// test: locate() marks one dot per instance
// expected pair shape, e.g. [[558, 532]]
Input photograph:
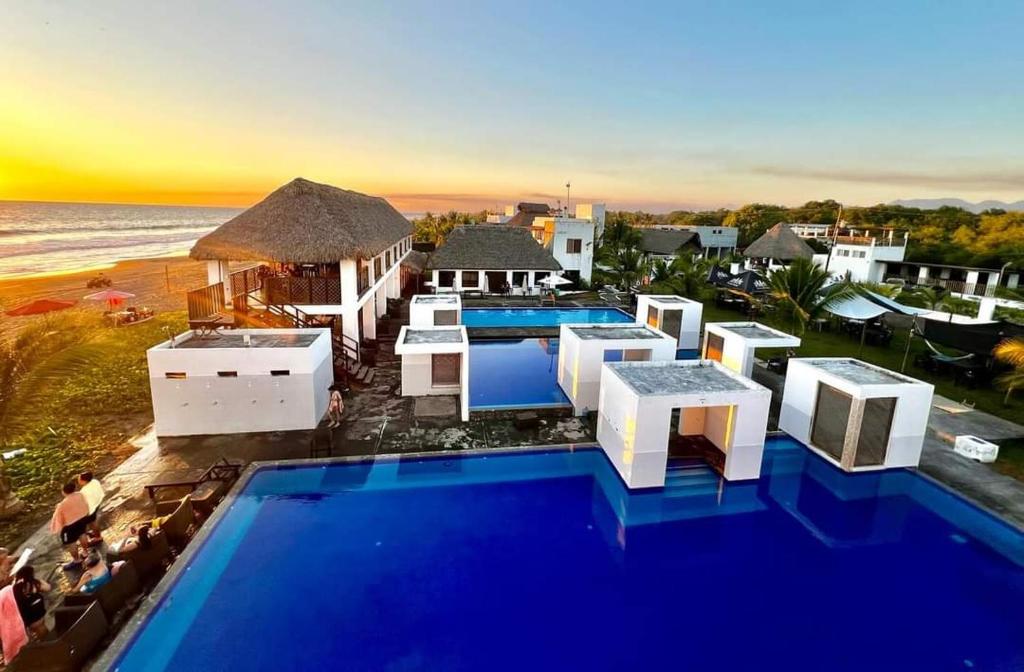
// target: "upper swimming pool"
[[543, 561], [540, 317]]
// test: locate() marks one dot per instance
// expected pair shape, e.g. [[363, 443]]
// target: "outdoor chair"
[[179, 526], [221, 470], [112, 595], [149, 562], [76, 634]]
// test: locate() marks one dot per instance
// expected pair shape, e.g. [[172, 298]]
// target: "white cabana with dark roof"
[[734, 343], [677, 316], [490, 258], [856, 415], [720, 411], [429, 310], [435, 361], [584, 348]]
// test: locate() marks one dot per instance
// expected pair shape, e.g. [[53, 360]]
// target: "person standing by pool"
[[70, 519], [92, 490], [335, 408]]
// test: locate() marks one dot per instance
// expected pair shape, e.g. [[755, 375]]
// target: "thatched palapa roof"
[[667, 241], [307, 222], [492, 247], [779, 242]]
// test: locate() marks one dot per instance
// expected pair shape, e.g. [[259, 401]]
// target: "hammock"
[[942, 357]]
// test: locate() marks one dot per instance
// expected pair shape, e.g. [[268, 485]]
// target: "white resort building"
[[243, 380], [571, 239], [490, 258], [733, 343], [856, 415], [584, 348], [316, 255], [719, 415], [435, 361]]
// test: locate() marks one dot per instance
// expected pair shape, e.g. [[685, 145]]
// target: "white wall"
[[689, 331], [253, 401], [421, 313]]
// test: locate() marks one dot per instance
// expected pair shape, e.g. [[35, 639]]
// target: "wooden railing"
[[280, 290], [206, 302], [961, 287]]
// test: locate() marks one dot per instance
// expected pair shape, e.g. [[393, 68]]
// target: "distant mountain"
[[933, 203]]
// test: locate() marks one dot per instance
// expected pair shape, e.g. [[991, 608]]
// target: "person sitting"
[[6, 564], [95, 575], [13, 635], [28, 593], [70, 519], [139, 538], [92, 490]]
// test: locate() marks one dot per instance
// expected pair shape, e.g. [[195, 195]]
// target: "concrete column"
[[922, 275], [987, 309], [1012, 280], [217, 271], [382, 300], [531, 280], [945, 273], [349, 282], [350, 322], [370, 318]]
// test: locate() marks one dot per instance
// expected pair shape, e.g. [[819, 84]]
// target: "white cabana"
[[435, 361], [721, 413], [733, 343], [244, 380], [856, 415], [584, 348], [677, 316], [429, 310]]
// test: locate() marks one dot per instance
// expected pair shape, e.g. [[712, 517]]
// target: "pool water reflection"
[[520, 373]]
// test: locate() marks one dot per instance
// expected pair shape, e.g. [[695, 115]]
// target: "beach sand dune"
[[159, 284]]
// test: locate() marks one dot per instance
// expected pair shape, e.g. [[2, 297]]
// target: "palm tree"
[[923, 296], [627, 267], [685, 275], [1011, 351], [803, 290]]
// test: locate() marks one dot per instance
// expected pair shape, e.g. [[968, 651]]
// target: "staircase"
[[686, 477]]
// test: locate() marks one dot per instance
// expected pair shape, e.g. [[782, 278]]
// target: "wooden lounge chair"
[[222, 470], [76, 634], [149, 562], [178, 527], [112, 595]]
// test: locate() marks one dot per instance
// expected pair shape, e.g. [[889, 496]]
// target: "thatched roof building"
[[667, 241], [527, 212], [307, 222], [779, 242], [416, 261], [492, 247]]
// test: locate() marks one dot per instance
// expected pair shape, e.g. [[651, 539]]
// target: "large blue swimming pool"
[[540, 317], [519, 373], [544, 562]]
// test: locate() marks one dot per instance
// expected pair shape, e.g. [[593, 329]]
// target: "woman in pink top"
[[70, 519]]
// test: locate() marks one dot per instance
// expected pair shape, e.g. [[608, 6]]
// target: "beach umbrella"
[[40, 307], [749, 282], [718, 275], [113, 297], [554, 281]]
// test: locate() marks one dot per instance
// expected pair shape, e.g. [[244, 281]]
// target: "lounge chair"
[[112, 595], [149, 562], [178, 527], [221, 470], [77, 632]]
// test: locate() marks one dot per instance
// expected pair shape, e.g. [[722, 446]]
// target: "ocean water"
[[46, 238]]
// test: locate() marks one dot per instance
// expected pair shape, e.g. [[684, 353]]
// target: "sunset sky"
[[437, 105]]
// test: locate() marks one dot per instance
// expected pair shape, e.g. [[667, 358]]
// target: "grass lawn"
[[832, 344], [84, 398]]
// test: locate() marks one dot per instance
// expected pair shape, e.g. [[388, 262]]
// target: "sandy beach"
[[159, 284]]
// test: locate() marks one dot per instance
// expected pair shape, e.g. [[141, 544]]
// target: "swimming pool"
[[543, 561], [540, 317], [520, 373]]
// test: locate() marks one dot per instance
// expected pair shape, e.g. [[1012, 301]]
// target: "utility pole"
[[567, 185], [835, 236]]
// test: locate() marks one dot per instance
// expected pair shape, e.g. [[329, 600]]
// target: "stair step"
[[369, 377]]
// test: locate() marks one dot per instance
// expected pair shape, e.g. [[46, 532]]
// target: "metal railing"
[[870, 241], [961, 287]]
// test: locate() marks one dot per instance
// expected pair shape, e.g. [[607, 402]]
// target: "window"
[[714, 348], [175, 375], [228, 374], [280, 372], [573, 245], [471, 278], [376, 268], [613, 355], [445, 369], [387, 259], [831, 414], [875, 425], [445, 278], [518, 278]]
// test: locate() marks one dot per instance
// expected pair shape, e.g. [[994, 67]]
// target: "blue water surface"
[[520, 373], [540, 317], [544, 561]]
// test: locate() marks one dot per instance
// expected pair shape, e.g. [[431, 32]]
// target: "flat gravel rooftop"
[[670, 299], [751, 331], [857, 372], [670, 378], [437, 298], [614, 332], [418, 336], [226, 340]]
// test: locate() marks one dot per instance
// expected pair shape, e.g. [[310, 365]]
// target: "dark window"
[[714, 349], [471, 278], [387, 259], [176, 375], [445, 278], [831, 415], [639, 355], [672, 322], [652, 316], [446, 317], [574, 245], [228, 374], [518, 278], [280, 372], [874, 431], [376, 269], [444, 369]]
